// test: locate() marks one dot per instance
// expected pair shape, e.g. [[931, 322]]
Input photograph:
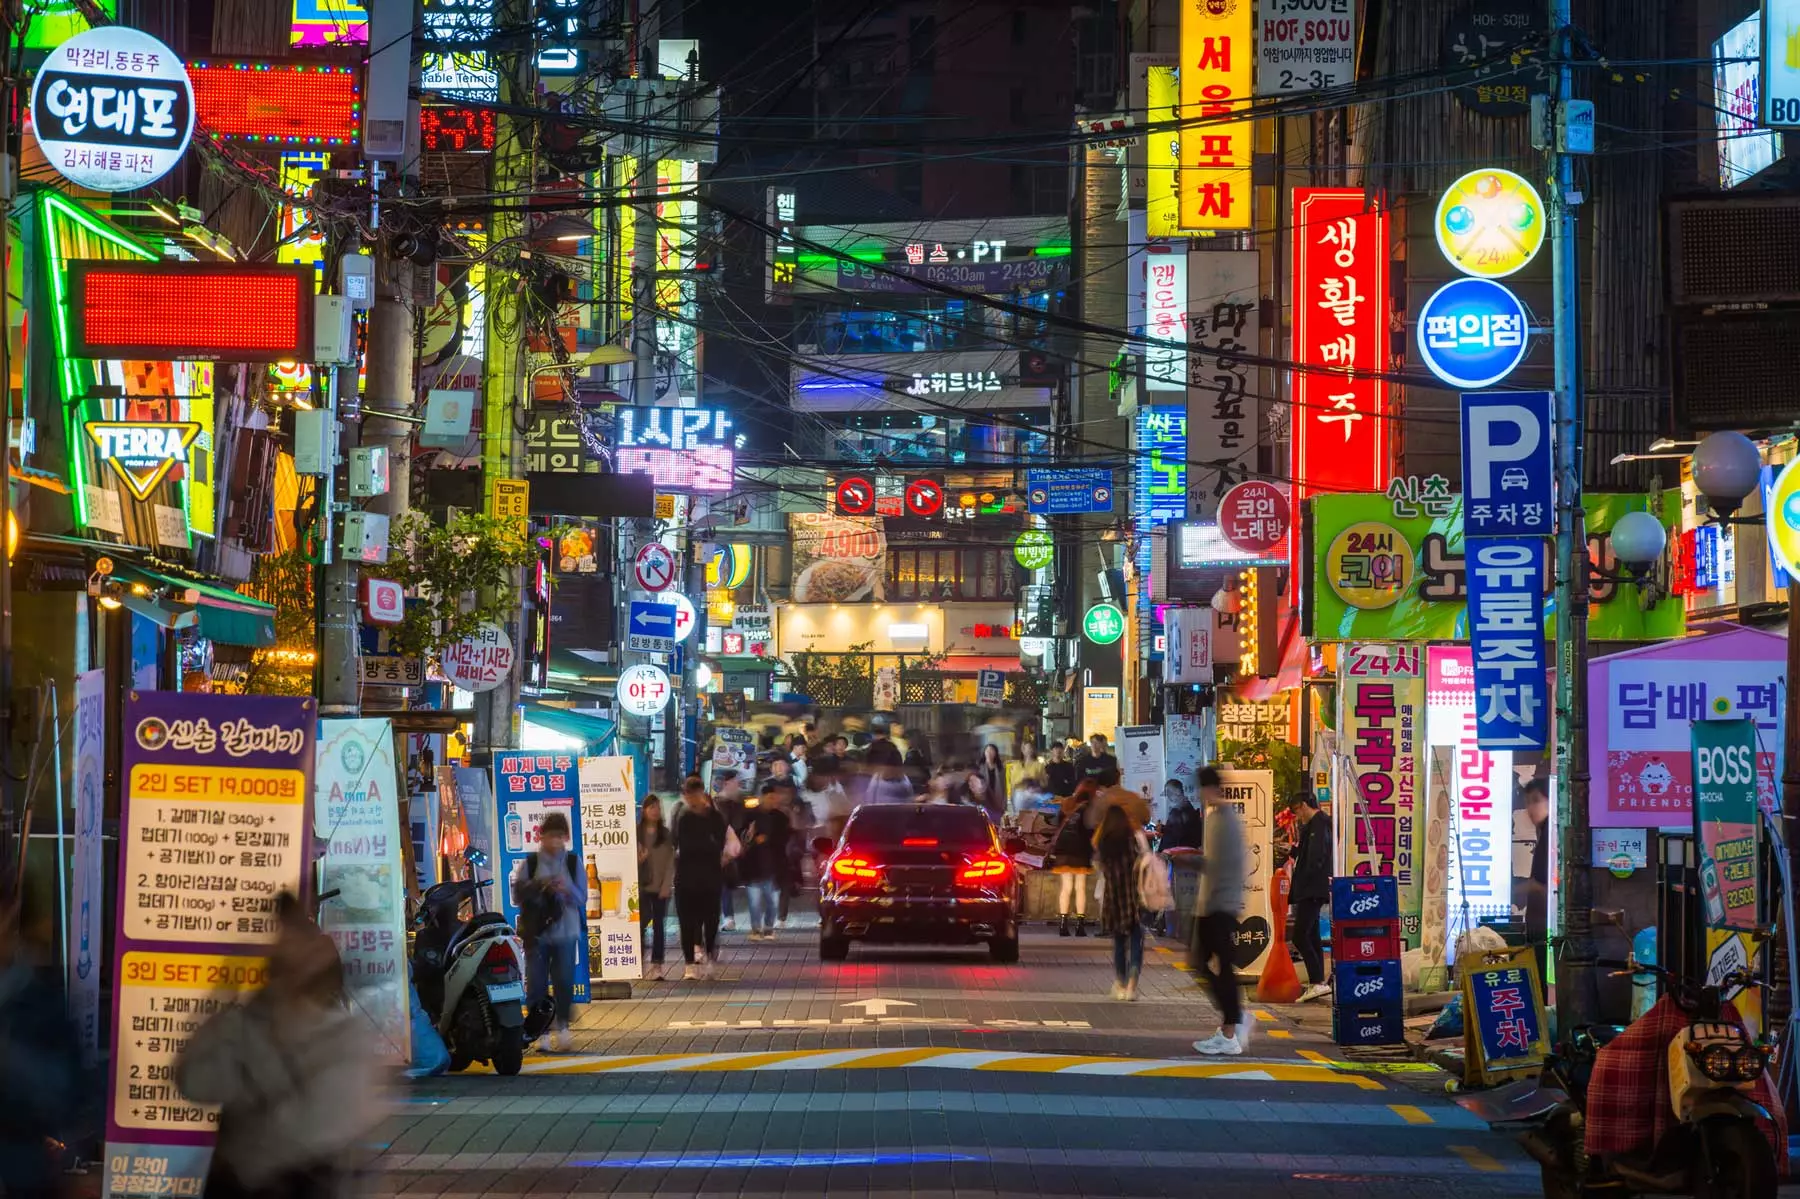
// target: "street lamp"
[[1638, 541]]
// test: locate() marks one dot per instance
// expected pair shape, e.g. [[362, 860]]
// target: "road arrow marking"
[[878, 1007]]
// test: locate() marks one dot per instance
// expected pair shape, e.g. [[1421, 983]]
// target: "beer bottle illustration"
[[515, 832], [1709, 888], [593, 890]]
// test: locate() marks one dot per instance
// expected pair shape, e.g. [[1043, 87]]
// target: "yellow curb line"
[[1411, 1114], [1476, 1159], [894, 1057]]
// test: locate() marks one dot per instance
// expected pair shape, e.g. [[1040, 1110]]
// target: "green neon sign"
[[1035, 549], [1103, 624]]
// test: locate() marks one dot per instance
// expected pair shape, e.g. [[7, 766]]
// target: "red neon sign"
[[1340, 425], [229, 311], [278, 104], [456, 128]]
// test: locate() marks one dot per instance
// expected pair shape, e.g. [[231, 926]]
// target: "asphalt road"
[[937, 1073]]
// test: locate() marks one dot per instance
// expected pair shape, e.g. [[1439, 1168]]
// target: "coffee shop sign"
[[944, 382]]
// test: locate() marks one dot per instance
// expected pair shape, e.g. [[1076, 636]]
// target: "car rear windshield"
[[896, 824]]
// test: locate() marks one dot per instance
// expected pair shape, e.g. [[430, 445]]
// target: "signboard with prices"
[[1477, 789], [1727, 825], [1068, 491], [214, 823], [1505, 1030], [1340, 430], [527, 788], [1382, 828], [1641, 750], [1306, 46], [609, 819], [112, 109], [1216, 77], [1224, 324]]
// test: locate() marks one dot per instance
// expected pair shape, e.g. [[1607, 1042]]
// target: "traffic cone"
[[1279, 983]]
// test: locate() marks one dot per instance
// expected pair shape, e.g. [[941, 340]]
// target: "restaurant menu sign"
[[527, 788], [356, 817], [609, 820], [1381, 722], [113, 109], [213, 824]]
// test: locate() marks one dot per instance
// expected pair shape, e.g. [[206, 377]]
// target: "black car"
[[918, 874]]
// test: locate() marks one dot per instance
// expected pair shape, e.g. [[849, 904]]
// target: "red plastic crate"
[[1365, 941]]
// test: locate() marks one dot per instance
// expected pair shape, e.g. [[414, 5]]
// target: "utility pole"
[[502, 449], [338, 673], [1576, 996]]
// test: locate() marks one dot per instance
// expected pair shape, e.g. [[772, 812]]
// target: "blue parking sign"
[[1508, 464], [1506, 641]]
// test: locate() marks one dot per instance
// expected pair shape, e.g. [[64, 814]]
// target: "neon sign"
[[142, 453]]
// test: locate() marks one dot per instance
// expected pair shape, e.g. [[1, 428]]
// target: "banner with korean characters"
[[1643, 702], [609, 821], [216, 794], [1507, 581], [1391, 567], [1473, 787], [1727, 826], [527, 788], [1505, 1031], [1223, 313], [1379, 816], [356, 818]]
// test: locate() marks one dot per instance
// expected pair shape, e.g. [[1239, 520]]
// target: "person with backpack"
[[656, 880], [767, 830], [704, 845], [549, 888], [1118, 850], [1072, 855]]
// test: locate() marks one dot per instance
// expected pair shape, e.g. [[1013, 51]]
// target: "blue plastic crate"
[[1365, 1025], [1366, 984], [1365, 897]]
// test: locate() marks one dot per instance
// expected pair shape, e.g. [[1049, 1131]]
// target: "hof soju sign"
[[113, 109]]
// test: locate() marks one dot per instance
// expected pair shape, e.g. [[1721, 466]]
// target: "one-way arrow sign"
[[650, 628], [878, 1007]]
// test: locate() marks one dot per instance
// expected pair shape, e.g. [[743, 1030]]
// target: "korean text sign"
[[1306, 46], [1726, 827], [1340, 430], [609, 820], [1383, 824], [1641, 748], [217, 791], [1504, 1007], [1217, 66], [1506, 639], [1476, 786], [1165, 320], [1508, 466], [1224, 324], [527, 788]]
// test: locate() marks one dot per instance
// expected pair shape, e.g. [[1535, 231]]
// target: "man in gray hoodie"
[[1222, 878]]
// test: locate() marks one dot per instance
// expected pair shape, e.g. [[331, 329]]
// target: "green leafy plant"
[[461, 575], [1278, 757], [286, 668]]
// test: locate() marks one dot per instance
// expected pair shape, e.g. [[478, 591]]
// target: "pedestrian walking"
[[826, 796], [1118, 849], [1097, 762], [549, 889], [1310, 889], [1181, 828], [293, 1073], [703, 847], [728, 798], [40, 1068], [1059, 772], [1072, 856], [804, 822], [767, 828], [992, 772], [656, 879], [1221, 902]]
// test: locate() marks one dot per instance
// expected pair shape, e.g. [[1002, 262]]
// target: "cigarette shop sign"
[[113, 109]]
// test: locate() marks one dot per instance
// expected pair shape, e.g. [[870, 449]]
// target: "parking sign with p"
[[1508, 464]]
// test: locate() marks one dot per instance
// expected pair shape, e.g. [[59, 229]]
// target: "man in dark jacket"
[[1097, 762], [1310, 889], [1059, 772], [1181, 830]]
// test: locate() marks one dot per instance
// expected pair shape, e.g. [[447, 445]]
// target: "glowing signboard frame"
[[1490, 223], [142, 452], [1783, 518], [230, 311], [1480, 314], [112, 109], [292, 105], [457, 129], [1218, 64]]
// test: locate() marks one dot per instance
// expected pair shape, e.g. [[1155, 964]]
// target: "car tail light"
[[498, 957], [920, 843], [852, 869], [985, 870]]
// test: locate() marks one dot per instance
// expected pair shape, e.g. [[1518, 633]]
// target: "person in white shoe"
[[1117, 851], [701, 848], [656, 879], [549, 888], [1221, 901], [1310, 889]]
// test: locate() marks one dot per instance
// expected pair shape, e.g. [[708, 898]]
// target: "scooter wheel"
[[1736, 1162], [459, 1062], [509, 1054]]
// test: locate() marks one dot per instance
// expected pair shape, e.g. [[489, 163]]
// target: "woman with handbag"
[[1119, 851], [704, 845], [1073, 854]]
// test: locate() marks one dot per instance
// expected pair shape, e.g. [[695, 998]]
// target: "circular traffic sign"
[[1103, 624], [112, 109], [685, 616], [924, 498], [1490, 223], [643, 689], [1254, 516], [855, 496], [654, 566], [1472, 333], [1035, 549]]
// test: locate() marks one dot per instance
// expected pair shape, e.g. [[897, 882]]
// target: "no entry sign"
[[924, 497], [855, 496], [654, 567]]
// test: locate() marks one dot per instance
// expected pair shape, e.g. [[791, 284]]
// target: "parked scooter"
[[1712, 1149], [471, 978]]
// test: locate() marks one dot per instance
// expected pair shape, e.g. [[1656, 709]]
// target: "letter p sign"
[[1508, 465]]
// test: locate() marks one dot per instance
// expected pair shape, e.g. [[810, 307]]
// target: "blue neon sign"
[[1472, 333]]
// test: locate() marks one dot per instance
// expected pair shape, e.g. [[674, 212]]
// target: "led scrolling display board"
[[230, 311]]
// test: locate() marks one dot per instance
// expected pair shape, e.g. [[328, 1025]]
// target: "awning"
[[743, 663], [583, 726], [223, 615], [48, 480]]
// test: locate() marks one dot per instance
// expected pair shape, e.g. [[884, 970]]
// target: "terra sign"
[[113, 109], [142, 452]]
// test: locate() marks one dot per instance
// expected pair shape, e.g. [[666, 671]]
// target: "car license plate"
[[507, 991]]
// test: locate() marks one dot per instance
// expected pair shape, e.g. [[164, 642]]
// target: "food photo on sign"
[[838, 559]]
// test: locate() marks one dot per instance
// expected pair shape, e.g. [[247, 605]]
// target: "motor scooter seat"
[[479, 921]]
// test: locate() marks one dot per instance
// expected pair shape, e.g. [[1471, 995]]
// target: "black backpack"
[[542, 907]]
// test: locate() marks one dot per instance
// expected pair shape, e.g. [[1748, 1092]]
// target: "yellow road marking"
[[1279, 1033], [1409, 1113], [1273, 1070], [748, 1061], [590, 1065], [1265, 1017], [1049, 1063], [897, 1057], [1313, 1055], [1476, 1159]]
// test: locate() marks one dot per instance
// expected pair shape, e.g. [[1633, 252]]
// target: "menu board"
[[609, 816], [214, 823], [528, 787]]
